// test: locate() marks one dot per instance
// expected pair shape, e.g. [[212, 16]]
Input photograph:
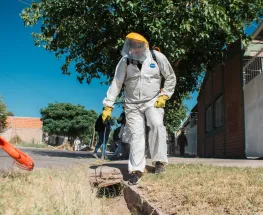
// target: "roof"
[[258, 33], [256, 36], [23, 122]]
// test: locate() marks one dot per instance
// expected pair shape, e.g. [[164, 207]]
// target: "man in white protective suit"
[[140, 70]]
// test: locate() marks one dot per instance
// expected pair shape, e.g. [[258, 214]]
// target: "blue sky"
[[31, 77]]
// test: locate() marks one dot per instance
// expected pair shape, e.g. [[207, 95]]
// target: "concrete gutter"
[[116, 173]]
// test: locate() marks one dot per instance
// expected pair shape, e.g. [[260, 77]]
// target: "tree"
[[90, 34], [10, 113], [3, 115], [174, 115], [68, 120]]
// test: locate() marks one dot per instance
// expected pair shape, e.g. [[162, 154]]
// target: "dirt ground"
[[204, 189]]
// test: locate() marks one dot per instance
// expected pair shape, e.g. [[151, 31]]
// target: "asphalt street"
[[44, 158]]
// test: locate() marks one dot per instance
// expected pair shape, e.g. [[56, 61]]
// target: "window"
[[208, 119], [219, 112]]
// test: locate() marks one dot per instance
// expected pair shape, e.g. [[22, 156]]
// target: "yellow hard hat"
[[136, 36]]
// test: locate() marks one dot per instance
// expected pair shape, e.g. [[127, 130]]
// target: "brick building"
[[229, 108], [27, 128], [220, 108]]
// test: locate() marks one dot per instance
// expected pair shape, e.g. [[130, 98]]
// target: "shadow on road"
[[66, 154]]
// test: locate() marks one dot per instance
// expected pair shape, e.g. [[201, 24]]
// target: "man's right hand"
[[160, 101], [106, 113]]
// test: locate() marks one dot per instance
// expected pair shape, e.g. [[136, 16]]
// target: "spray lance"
[[104, 145]]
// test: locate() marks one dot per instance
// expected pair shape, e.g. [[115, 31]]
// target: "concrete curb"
[[138, 204]]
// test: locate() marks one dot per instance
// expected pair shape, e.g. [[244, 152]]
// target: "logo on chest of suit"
[[152, 65]]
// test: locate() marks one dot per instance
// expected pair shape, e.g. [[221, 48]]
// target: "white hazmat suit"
[[142, 87]]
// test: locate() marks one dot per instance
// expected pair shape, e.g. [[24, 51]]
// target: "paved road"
[[48, 158], [53, 158]]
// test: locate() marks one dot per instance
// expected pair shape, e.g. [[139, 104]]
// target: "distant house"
[[27, 128], [230, 107]]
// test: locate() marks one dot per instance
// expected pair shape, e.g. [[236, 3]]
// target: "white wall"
[[28, 135], [7, 134], [253, 97], [191, 136]]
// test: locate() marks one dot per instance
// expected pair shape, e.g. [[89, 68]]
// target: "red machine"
[[22, 160]]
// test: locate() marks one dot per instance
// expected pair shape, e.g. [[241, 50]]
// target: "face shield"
[[135, 49]]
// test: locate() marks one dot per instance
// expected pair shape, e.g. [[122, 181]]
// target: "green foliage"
[[68, 119], [174, 115], [3, 115], [9, 113], [90, 33]]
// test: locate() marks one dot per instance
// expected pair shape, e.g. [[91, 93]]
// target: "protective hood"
[[135, 47]]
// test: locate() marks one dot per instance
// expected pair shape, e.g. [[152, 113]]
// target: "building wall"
[[209, 146], [7, 134], [208, 91], [212, 89], [233, 95], [253, 96], [27, 128], [28, 135], [191, 136], [224, 80], [201, 125], [57, 140], [215, 89], [219, 143], [218, 81]]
